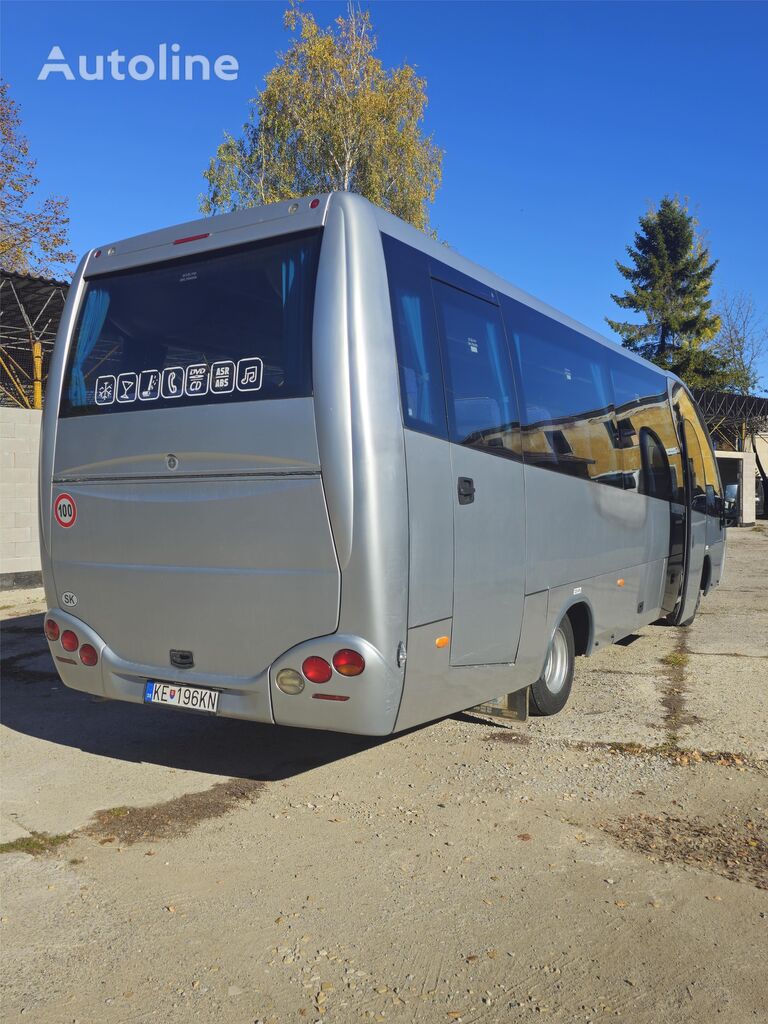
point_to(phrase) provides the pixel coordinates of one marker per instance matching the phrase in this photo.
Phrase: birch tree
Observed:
(331, 117)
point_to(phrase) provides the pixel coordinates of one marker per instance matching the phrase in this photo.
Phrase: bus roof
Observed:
(301, 214)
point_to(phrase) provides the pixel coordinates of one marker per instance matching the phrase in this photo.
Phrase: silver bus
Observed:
(303, 465)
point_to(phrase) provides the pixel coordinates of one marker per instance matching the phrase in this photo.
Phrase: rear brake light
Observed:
(69, 641)
(317, 670)
(190, 238)
(51, 630)
(88, 655)
(348, 663)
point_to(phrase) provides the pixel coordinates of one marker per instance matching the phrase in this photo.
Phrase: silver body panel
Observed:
(295, 527)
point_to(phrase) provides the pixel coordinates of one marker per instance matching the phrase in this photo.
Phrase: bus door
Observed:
(696, 520)
(486, 461)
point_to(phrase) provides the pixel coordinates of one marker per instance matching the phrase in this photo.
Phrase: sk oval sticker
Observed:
(65, 510)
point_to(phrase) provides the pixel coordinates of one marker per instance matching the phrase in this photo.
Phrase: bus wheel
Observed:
(688, 622)
(552, 690)
(670, 619)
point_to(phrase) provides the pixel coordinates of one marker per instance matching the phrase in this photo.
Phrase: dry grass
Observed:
(677, 659)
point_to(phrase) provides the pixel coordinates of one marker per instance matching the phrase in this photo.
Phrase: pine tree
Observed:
(671, 277)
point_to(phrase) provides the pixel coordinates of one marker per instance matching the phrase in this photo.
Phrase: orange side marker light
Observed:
(619, 583)
(442, 641)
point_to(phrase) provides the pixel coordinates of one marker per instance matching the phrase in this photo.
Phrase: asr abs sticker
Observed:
(199, 379)
(65, 510)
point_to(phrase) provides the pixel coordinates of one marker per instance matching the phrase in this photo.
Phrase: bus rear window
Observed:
(227, 326)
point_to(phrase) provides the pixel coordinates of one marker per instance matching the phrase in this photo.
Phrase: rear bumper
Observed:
(366, 705)
(116, 679)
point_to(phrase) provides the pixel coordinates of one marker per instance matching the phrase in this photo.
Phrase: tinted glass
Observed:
(479, 386)
(567, 403)
(228, 326)
(704, 464)
(642, 404)
(418, 354)
(655, 476)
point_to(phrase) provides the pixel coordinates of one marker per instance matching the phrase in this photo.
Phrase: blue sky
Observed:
(561, 122)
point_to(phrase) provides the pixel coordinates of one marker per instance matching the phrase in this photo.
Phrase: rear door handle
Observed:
(466, 490)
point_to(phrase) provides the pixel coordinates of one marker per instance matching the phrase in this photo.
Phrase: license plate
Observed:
(195, 698)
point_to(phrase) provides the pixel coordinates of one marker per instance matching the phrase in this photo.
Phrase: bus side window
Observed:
(704, 465)
(655, 475)
(568, 419)
(480, 390)
(418, 354)
(642, 400)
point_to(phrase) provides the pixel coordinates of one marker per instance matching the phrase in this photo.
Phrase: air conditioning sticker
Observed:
(193, 381)
(105, 390)
(65, 510)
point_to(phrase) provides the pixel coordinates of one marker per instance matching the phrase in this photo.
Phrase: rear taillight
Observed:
(317, 670)
(88, 655)
(69, 641)
(51, 630)
(348, 663)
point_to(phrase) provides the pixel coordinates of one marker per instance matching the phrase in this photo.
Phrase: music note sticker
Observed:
(249, 374)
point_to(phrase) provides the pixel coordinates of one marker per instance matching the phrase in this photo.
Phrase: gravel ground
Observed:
(610, 863)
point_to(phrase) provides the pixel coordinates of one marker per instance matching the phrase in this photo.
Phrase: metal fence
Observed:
(30, 311)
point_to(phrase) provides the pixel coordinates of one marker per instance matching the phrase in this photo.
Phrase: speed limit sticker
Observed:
(65, 510)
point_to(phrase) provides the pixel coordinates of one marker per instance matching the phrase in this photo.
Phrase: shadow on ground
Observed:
(33, 701)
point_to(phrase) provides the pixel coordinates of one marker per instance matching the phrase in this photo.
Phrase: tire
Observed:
(689, 621)
(670, 619)
(550, 693)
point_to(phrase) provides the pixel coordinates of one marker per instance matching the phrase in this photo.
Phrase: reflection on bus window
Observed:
(418, 356)
(568, 419)
(703, 463)
(479, 386)
(226, 326)
(642, 405)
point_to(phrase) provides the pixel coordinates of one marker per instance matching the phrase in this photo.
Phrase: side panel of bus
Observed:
(590, 494)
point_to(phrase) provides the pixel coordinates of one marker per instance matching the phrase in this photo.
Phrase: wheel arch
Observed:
(581, 614)
(583, 626)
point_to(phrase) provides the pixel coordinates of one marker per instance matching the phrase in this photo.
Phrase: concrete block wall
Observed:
(19, 543)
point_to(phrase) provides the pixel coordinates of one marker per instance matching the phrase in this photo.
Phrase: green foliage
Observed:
(30, 239)
(670, 277)
(34, 843)
(331, 118)
(699, 367)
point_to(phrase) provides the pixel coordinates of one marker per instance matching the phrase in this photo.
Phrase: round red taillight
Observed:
(88, 655)
(69, 641)
(51, 630)
(317, 670)
(348, 663)
(314, 204)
